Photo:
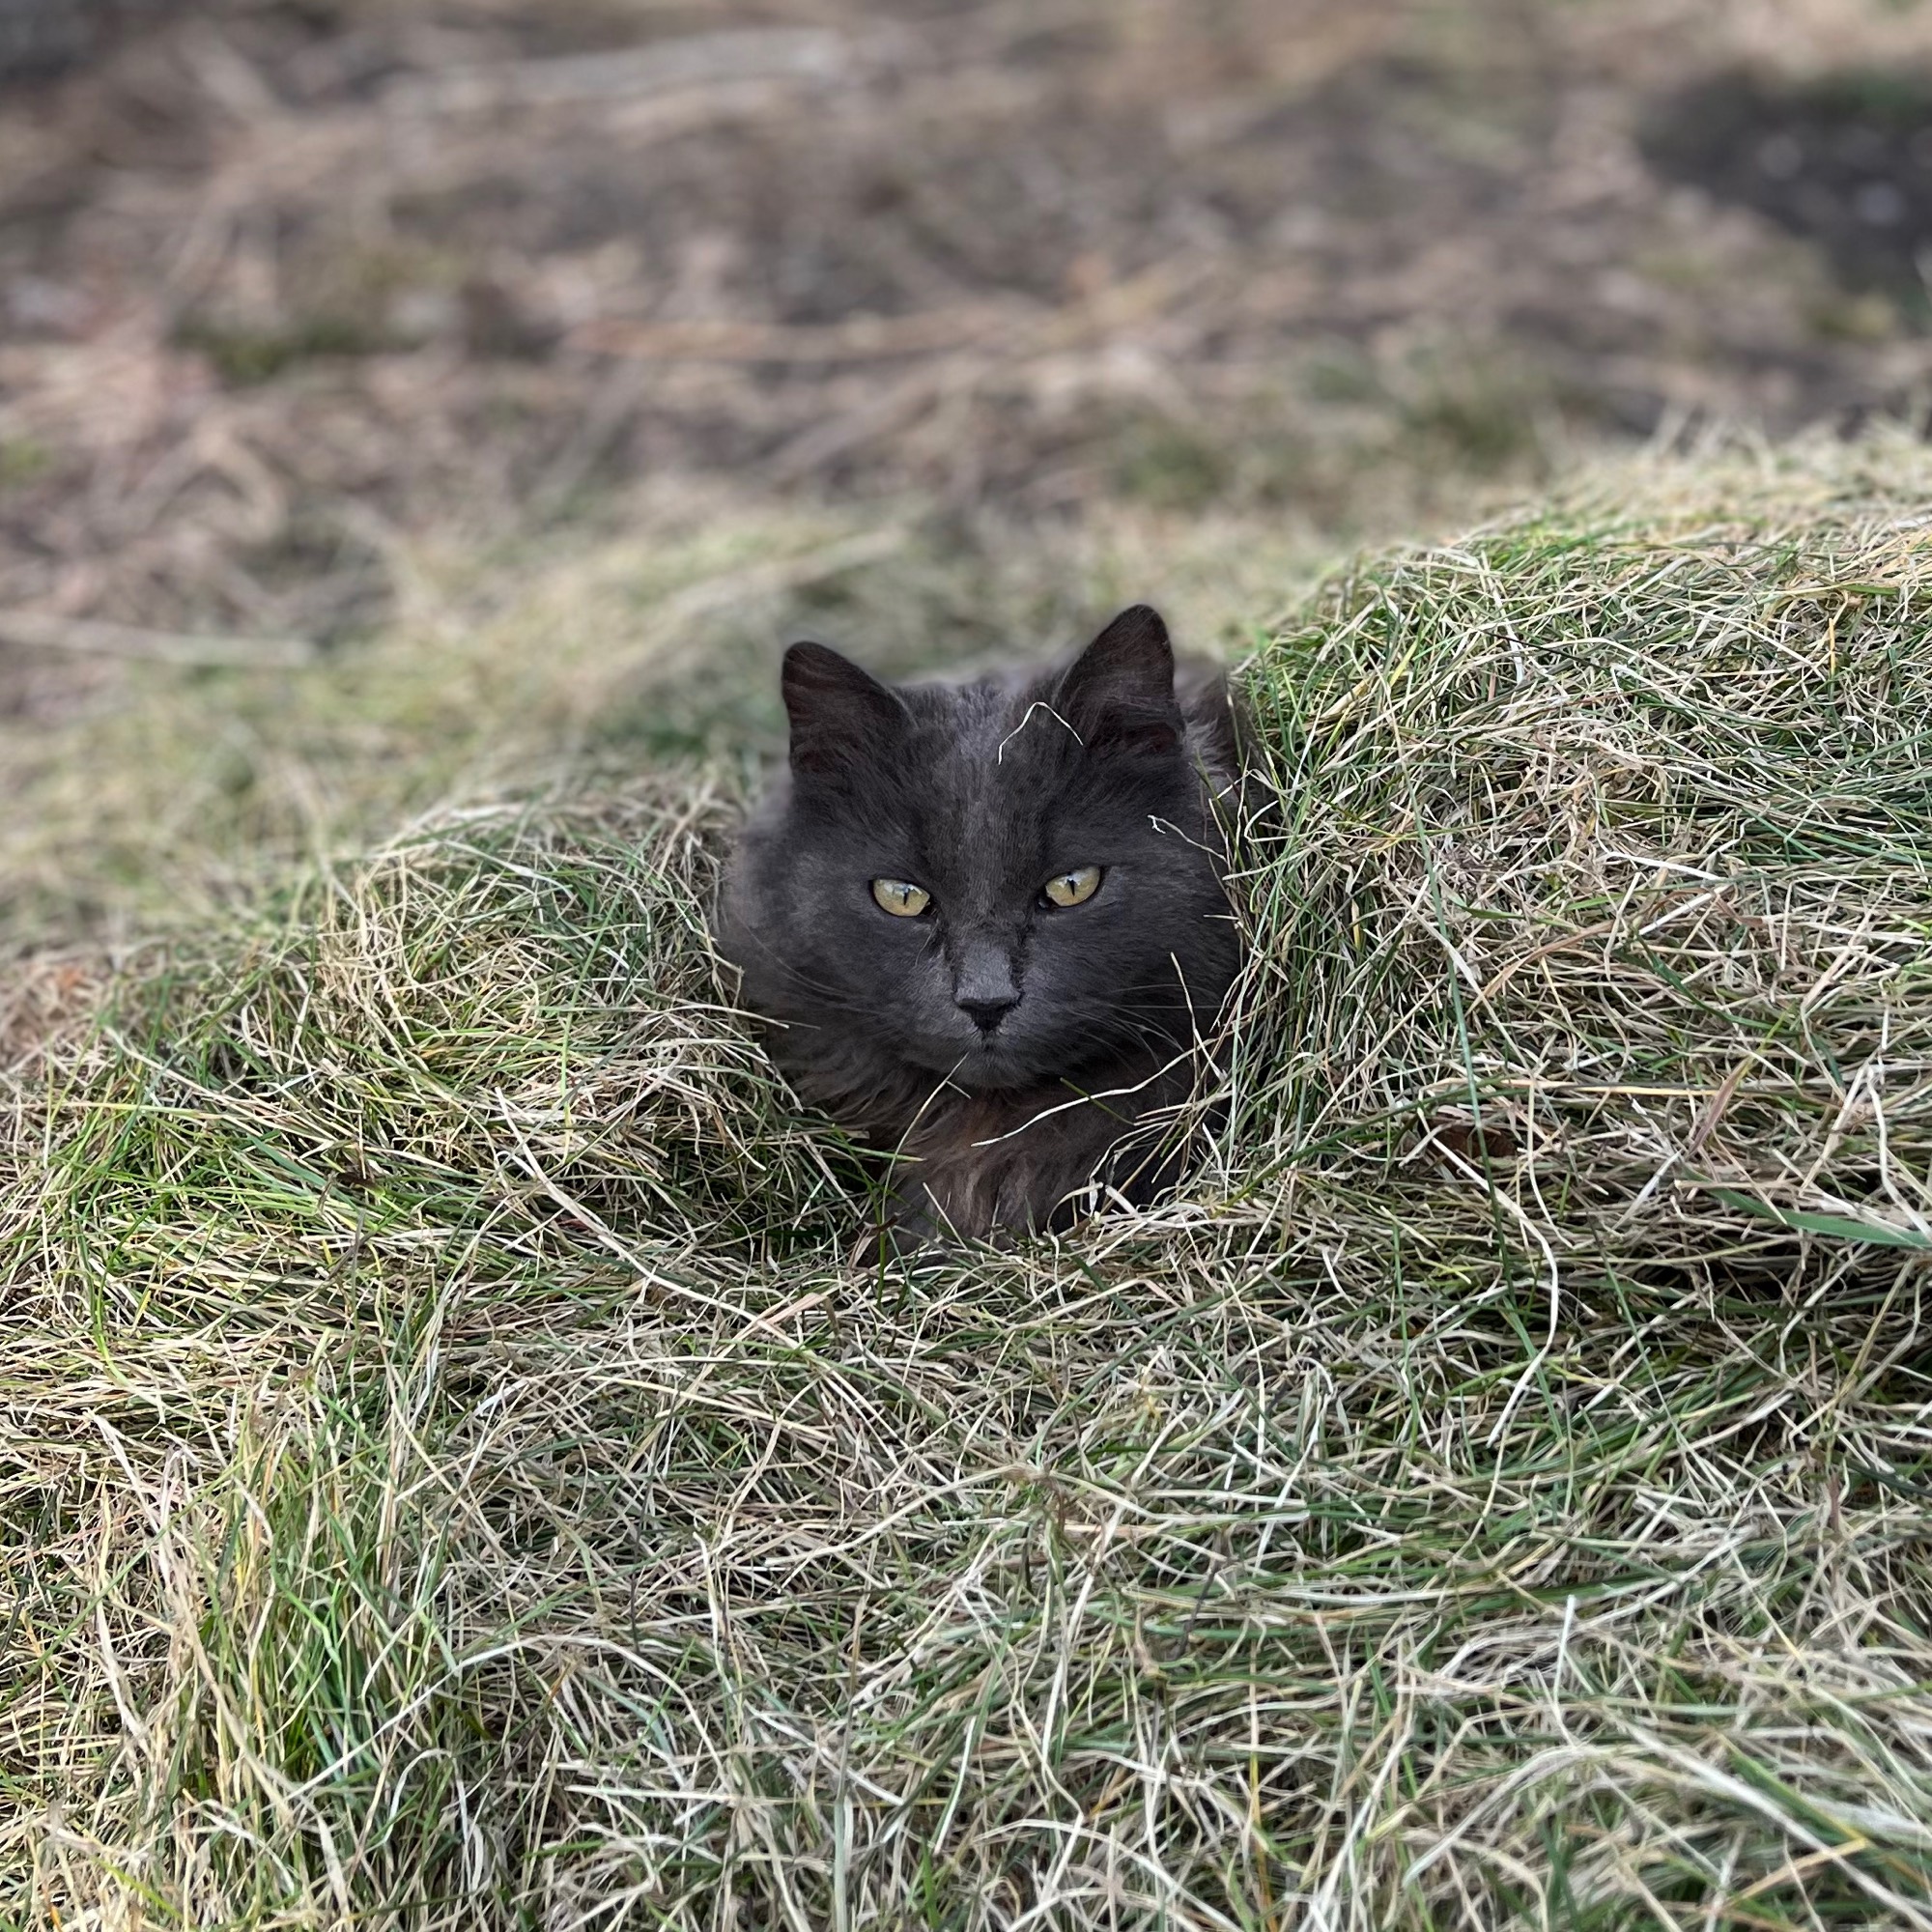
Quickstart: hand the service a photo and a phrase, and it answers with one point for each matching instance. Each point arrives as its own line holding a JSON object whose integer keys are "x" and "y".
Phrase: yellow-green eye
{"x": 900, "y": 897}
{"x": 1074, "y": 888}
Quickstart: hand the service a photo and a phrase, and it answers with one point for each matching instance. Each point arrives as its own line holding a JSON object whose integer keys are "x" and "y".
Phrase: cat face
{"x": 1001, "y": 885}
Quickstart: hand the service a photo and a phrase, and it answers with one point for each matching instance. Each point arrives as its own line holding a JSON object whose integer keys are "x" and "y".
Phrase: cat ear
{"x": 839, "y": 713}
{"x": 1118, "y": 693}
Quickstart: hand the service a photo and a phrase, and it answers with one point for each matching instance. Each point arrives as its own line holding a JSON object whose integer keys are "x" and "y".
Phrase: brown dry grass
{"x": 287, "y": 291}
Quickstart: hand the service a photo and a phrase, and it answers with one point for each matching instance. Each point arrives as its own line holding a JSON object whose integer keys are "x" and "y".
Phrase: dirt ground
{"x": 286, "y": 285}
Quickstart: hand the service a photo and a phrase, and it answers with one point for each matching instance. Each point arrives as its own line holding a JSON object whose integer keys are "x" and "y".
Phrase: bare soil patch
{"x": 1844, "y": 159}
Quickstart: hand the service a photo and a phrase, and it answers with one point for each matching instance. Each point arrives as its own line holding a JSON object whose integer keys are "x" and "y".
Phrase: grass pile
{"x": 454, "y": 1476}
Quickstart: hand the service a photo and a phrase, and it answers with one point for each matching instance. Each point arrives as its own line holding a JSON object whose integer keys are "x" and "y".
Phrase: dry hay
{"x": 455, "y": 1479}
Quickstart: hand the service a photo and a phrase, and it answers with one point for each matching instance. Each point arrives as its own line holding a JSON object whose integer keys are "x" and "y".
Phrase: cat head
{"x": 1002, "y": 883}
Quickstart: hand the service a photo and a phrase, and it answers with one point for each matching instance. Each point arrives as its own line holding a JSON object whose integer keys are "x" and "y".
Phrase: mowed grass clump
{"x": 455, "y": 1474}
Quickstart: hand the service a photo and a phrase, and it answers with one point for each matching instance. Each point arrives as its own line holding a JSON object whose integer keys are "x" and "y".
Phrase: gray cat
{"x": 986, "y": 920}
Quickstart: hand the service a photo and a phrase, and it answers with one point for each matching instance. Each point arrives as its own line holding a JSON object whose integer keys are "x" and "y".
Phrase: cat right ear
{"x": 1118, "y": 693}
{"x": 839, "y": 714}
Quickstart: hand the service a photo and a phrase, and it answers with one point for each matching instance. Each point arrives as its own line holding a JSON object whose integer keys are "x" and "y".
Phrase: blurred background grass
{"x": 399, "y": 396}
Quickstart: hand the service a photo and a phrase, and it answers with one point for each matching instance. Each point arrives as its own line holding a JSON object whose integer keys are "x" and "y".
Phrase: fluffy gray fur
{"x": 1005, "y": 1048}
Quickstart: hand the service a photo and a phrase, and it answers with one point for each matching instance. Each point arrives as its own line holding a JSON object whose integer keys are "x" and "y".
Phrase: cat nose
{"x": 986, "y": 1015}
{"x": 982, "y": 985}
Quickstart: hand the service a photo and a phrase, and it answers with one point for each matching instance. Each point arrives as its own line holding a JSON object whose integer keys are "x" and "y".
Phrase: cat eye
{"x": 900, "y": 897}
{"x": 1073, "y": 889}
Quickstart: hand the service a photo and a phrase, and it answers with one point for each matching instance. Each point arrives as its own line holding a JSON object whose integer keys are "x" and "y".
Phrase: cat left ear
{"x": 839, "y": 713}
{"x": 1118, "y": 693}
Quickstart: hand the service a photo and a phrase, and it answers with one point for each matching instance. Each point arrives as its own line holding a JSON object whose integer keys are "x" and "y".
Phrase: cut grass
{"x": 455, "y": 1477}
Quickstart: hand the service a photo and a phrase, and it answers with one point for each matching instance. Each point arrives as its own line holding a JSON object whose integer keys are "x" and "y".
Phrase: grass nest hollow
{"x": 453, "y": 1475}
